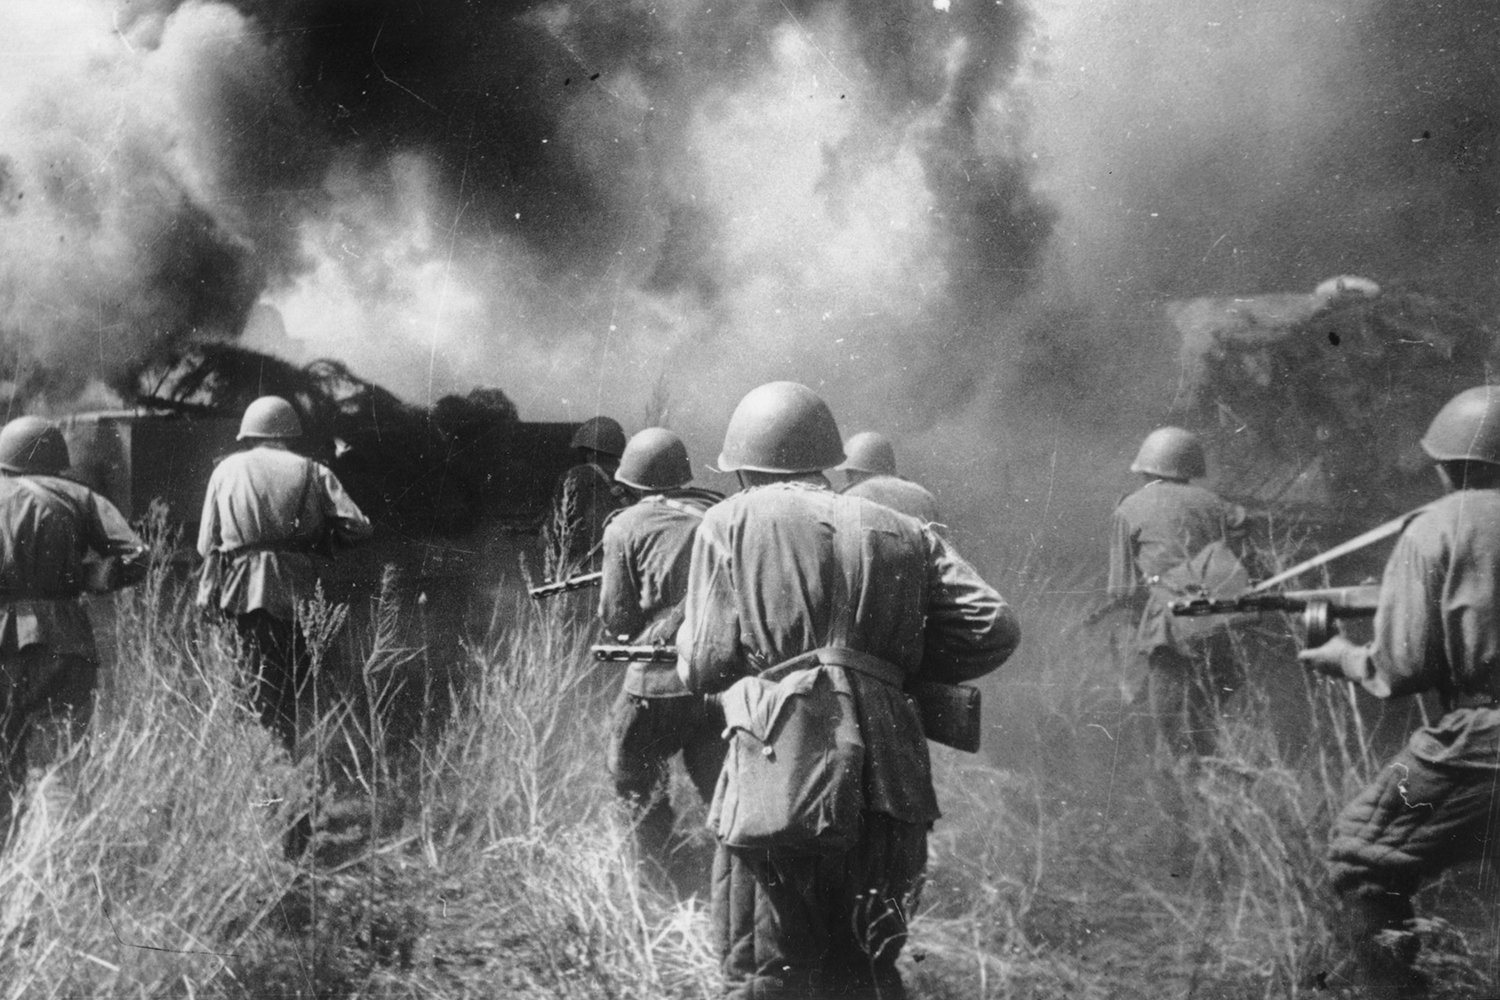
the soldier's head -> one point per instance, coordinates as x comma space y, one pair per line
867, 454
270, 420
1464, 440
781, 430
1171, 453
31, 445
655, 460
600, 440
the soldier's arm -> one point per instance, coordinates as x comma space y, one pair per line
1123, 581
208, 523
348, 522
970, 629
619, 597
708, 643
112, 538
1407, 654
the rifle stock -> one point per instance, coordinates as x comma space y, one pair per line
1320, 609
949, 712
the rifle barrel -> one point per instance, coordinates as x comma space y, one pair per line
621, 653
579, 582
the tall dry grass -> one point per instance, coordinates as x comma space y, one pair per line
481, 854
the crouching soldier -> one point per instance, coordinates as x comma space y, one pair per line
809, 611
268, 521
1437, 628
58, 540
646, 551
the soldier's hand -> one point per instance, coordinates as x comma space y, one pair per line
1329, 659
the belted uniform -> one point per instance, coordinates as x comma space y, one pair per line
782, 570
1156, 530
49, 527
1437, 803
267, 518
647, 548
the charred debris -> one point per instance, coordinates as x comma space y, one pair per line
1314, 404
439, 472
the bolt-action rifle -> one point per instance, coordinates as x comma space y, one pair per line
556, 587
949, 712
1320, 609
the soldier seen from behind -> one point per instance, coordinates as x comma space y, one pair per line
585, 497
1168, 539
808, 612
270, 518
1437, 628
646, 551
59, 540
870, 471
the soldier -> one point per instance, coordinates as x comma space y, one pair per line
269, 518
1163, 536
60, 539
898, 494
1437, 628
793, 582
585, 497
646, 551
870, 472
867, 454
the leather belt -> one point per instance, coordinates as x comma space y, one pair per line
1482, 699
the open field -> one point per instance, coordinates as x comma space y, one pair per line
488, 859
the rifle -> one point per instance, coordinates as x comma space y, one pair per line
1320, 609
556, 587
949, 712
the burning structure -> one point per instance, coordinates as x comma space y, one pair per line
1315, 403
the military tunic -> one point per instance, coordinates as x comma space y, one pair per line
898, 494
646, 552
770, 580
49, 527
267, 516
1186, 675
585, 498
1437, 628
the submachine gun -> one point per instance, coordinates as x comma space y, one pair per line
949, 712
1320, 610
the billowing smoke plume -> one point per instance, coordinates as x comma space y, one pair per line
959, 219
579, 202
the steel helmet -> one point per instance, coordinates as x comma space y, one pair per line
781, 427
655, 459
870, 452
272, 418
600, 434
1171, 452
1467, 428
33, 445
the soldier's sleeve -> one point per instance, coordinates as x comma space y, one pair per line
1122, 575
619, 597
111, 534
1407, 653
208, 524
349, 522
970, 629
708, 643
